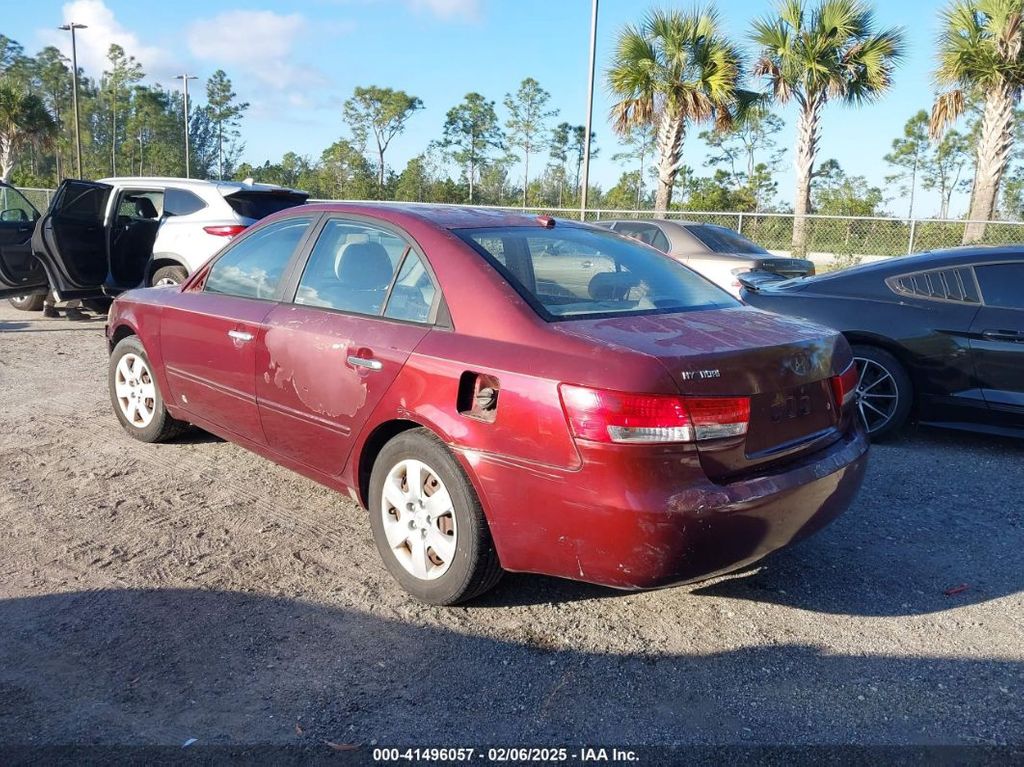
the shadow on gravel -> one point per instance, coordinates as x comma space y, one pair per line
937, 525
165, 666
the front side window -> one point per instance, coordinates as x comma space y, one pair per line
573, 272
14, 207
720, 239
1002, 285
253, 267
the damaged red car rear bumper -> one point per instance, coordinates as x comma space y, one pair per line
642, 518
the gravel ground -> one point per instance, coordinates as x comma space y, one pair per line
153, 594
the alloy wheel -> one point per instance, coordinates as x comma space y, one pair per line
419, 519
878, 395
164, 282
135, 390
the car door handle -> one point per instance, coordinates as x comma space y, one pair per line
240, 335
1003, 335
588, 264
365, 362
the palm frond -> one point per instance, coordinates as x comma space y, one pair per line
946, 110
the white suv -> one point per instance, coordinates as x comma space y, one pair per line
189, 219
99, 238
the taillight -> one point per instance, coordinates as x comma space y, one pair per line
228, 230
844, 385
601, 415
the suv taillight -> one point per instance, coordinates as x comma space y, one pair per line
601, 415
844, 385
228, 230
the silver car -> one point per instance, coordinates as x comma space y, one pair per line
717, 252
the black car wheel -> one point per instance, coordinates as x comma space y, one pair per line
884, 392
27, 303
169, 275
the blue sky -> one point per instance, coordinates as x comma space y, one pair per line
297, 62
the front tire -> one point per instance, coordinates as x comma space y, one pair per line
428, 523
885, 395
27, 303
136, 397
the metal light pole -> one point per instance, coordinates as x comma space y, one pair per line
184, 79
71, 27
590, 114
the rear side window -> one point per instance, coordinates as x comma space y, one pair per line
573, 272
646, 233
179, 202
953, 284
257, 205
1002, 285
253, 267
720, 239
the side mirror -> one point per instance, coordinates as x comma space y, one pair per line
14, 215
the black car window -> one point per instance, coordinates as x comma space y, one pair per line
253, 266
720, 239
950, 284
179, 202
1002, 285
646, 233
351, 267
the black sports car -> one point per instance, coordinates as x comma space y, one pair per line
937, 336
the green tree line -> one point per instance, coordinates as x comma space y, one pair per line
674, 74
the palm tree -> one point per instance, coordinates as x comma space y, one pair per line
830, 53
24, 121
981, 53
672, 69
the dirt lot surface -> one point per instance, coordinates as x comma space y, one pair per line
154, 594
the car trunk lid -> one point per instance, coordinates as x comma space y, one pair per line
782, 364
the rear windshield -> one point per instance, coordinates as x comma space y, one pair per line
721, 239
571, 272
257, 205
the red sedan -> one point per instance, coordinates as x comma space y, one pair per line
502, 392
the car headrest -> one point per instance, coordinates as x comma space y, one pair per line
144, 208
611, 286
363, 266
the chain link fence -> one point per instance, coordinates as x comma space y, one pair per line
831, 240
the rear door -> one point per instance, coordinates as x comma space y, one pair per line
71, 239
997, 338
20, 273
364, 300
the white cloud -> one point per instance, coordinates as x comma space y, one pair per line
450, 9
260, 44
103, 30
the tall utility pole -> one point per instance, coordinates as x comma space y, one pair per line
184, 79
71, 27
590, 114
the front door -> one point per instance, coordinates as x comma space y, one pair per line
71, 239
208, 332
20, 273
997, 340
364, 301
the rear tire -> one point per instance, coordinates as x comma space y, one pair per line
27, 303
885, 395
169, 275
135, 395
457, 559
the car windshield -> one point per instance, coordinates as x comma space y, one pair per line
569, 272
721, 239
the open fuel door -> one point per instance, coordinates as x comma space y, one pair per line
20, 273
71, 240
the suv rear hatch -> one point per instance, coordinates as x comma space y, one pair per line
783, 365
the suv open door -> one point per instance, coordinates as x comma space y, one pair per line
20, 273
71, 240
